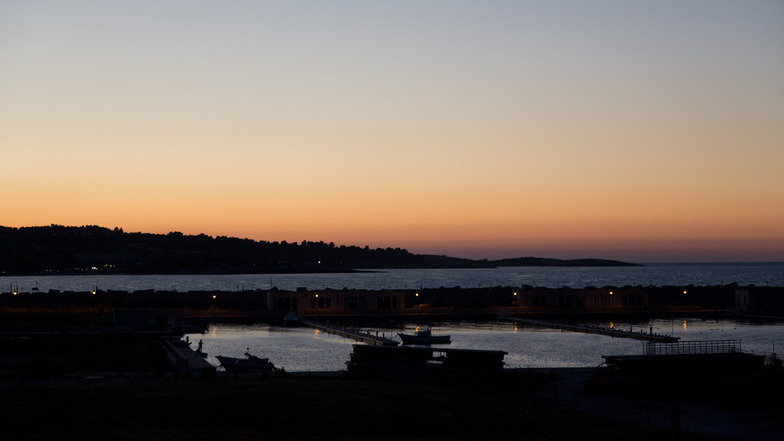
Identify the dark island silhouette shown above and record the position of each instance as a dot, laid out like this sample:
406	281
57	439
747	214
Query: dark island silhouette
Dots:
58	249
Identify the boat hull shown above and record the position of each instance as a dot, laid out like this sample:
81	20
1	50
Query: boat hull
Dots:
238	365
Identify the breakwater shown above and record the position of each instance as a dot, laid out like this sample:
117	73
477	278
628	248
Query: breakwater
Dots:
587	329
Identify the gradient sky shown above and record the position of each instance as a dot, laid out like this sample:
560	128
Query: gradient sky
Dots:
636	130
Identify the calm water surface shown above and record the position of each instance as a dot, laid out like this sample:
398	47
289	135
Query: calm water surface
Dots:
303	349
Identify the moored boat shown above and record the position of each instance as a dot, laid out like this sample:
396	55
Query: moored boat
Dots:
250	363
424	337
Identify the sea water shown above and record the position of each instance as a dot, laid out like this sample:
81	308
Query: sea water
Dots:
659	274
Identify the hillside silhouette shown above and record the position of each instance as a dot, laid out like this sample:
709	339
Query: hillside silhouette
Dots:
58	249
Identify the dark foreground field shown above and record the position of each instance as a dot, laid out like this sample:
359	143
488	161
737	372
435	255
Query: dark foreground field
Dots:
302	408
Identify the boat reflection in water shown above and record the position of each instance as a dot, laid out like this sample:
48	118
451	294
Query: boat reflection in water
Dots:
424	337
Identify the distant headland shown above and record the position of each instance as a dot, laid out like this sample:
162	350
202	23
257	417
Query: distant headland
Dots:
58	249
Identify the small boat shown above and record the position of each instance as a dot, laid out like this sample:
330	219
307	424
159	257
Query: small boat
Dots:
424	337
250	363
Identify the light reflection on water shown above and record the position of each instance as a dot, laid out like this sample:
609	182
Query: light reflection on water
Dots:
297	349
301	349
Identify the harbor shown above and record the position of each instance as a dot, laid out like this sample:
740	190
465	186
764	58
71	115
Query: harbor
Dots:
535	345
508	374
526	346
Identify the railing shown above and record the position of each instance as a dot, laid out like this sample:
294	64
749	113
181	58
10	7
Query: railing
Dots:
693	347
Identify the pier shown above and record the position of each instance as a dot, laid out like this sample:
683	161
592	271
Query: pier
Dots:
183	358
353	333
641	335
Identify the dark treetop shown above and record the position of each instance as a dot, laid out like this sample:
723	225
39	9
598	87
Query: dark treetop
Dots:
60	249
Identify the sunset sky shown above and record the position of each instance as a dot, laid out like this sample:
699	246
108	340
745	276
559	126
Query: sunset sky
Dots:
644	131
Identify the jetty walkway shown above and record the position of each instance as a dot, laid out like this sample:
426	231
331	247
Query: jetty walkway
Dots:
183	358
641	335
350	332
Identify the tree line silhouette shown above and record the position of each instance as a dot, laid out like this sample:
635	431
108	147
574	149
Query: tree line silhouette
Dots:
58	249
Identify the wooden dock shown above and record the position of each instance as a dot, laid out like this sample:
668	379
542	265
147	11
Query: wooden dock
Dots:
352	333
641	335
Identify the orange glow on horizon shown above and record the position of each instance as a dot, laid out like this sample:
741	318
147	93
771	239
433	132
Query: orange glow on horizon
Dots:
447	140
569	240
